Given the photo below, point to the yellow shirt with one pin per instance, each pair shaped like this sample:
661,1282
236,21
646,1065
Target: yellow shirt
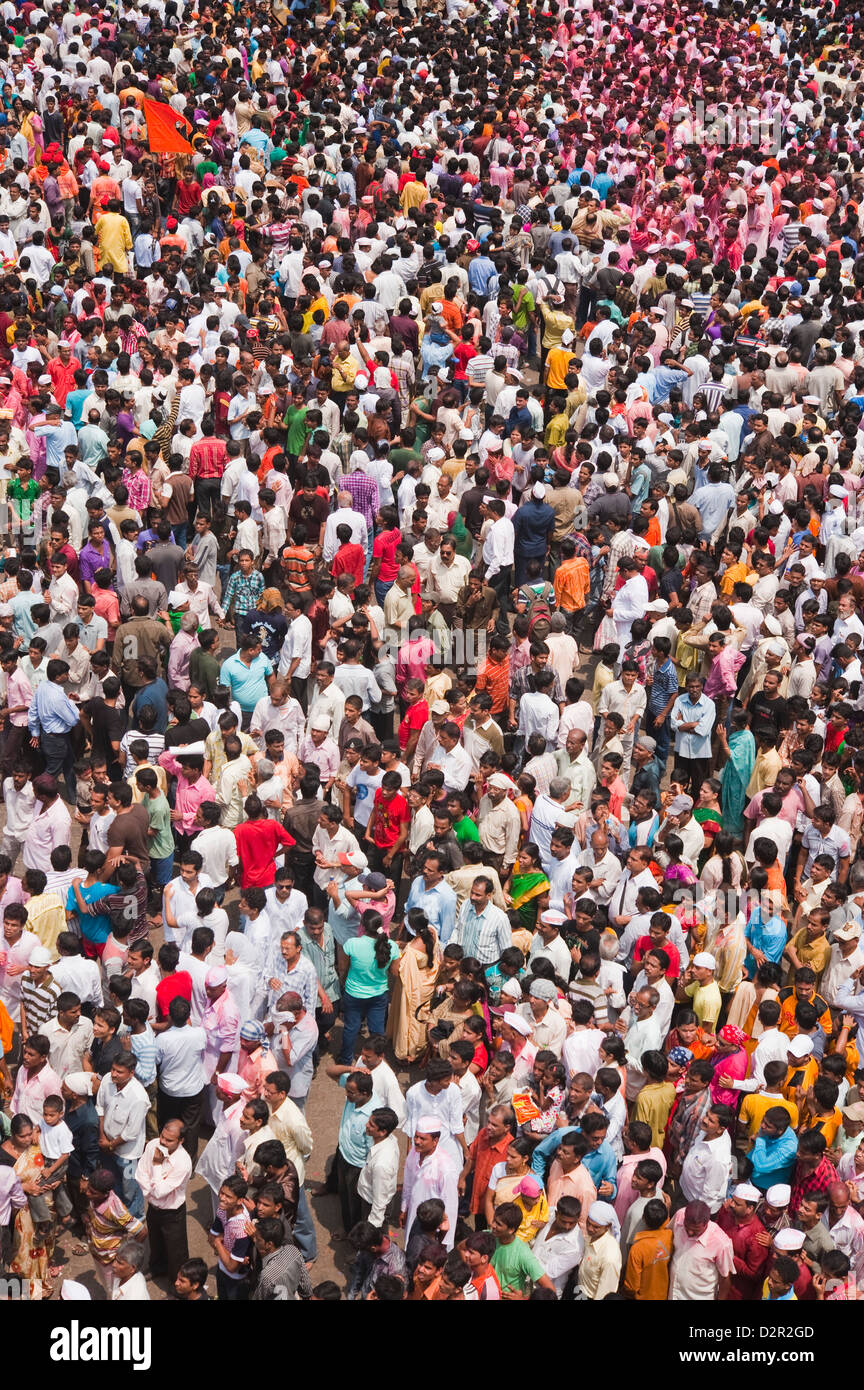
754,1106
46,916
114,240
557,365
707,1003
653,1105
828,1124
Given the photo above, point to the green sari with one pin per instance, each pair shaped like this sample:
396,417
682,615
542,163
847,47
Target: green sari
734,779
525,889
462,538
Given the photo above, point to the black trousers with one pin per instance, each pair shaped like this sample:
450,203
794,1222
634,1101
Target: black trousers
345,1177
298,690
169,1247
185,1108
502,583
698,768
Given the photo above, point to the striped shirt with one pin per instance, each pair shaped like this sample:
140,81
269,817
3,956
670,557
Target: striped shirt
144,1049
138,487
298,567
39,1001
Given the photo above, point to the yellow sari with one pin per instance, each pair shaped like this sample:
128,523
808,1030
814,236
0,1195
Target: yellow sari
409,1004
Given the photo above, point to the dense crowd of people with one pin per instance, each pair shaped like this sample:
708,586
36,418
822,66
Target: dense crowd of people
430,648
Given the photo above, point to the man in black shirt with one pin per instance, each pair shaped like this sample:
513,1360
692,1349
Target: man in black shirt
106,724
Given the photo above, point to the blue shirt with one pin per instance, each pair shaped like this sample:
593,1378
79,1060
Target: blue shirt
697,742
480,271
248,683
532,525
663,686
764,934
439,904
600,1164
98,927
713,502
773,1159
354,1142
23,625
155,694
74,402
52,712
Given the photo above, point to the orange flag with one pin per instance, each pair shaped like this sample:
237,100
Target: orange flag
163,129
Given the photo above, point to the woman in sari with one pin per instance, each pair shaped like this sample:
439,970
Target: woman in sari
740,750
31,1243
415,982
527,885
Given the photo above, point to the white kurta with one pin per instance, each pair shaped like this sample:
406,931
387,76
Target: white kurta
434,1176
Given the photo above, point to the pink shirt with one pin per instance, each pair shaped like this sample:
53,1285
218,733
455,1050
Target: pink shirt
31,1088
576,1184
190,795
626,1194
52,826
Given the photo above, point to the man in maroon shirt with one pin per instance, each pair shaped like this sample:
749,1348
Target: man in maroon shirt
737,1218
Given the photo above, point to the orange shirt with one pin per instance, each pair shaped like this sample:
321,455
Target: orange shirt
494,676
571,582
647,1273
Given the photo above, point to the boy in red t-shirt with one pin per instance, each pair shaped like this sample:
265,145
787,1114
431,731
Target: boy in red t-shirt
349,558
174,983
388,826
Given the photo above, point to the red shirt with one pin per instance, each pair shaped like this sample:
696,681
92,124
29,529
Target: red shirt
176,986
257,842
384,549
415,717
349,559
390,816
645,944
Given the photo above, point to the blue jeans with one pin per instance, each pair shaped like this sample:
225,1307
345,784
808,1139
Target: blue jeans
161,870
127,1187
304,1228
354,1011
382,590
180,532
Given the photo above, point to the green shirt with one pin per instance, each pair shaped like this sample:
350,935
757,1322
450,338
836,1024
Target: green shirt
365,979
465,829
204,671
295,424
159,813
515,1264
24,496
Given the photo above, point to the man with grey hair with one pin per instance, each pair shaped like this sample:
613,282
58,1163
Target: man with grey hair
550,1029
130,1286
344,515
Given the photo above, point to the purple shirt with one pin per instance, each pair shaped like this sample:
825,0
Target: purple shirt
91,560
364,494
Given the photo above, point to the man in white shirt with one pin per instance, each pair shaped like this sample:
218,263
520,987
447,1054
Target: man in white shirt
180,1069
344,515
122,1105
641,1033
498,551
708,1163
451,758
163,1174
376,1185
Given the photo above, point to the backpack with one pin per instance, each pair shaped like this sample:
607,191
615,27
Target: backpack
539,610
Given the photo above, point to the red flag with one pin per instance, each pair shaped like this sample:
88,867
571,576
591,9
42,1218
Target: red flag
163,129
